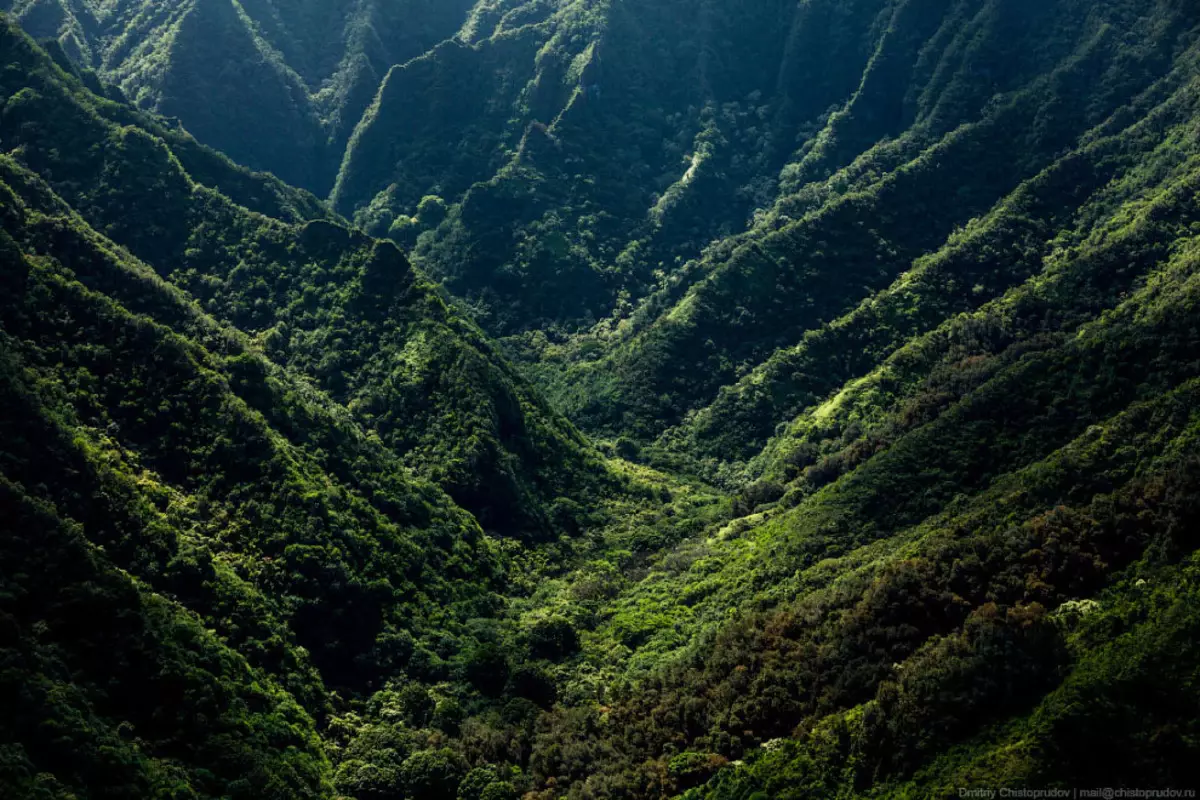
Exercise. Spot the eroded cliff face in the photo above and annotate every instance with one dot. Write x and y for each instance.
(278, 86)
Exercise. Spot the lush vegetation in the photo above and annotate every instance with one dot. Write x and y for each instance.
(706, 400)
(277, 86)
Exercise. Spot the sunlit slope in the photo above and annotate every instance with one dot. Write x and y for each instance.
(343, 310)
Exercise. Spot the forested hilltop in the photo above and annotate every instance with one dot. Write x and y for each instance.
(593, 399)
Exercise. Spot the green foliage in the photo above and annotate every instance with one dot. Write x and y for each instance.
(434, 774)
(166, 709)
(215, 473)
(553, 637)
(915, 284)
(266, 83)
(339, 308)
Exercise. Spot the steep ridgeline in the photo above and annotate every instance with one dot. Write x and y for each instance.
(950, 370)
(558, 162)
(182, 572)
(916, 282)
(960, 392)
(559, 158)
(344, 311)
(945, 180)
(225, 439)
(275, 85)
(710, 192)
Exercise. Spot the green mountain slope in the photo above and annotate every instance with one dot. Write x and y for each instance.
(246, 540)
(278, 86)
(297, 508)
(344, 311)
(596, 148)
(1070, 204)
(833, 243)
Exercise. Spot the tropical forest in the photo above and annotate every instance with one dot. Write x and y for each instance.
(599, 399)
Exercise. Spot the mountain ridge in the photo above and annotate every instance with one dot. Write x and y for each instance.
(638, 419)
